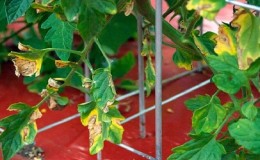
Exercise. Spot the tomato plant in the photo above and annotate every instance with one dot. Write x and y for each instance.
(232, 55)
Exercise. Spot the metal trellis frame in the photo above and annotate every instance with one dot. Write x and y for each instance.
(158, 88)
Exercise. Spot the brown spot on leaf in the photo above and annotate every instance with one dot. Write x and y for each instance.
(95, 129)
(24, 67)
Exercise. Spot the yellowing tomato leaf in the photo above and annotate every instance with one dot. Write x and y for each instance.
(248, 38)
(182, 60)
(206, 8)
(226, 41)
(208, 118)
(27, 63)
(86, 110)
(18, 131)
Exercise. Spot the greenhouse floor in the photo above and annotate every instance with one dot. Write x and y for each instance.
(69, 141)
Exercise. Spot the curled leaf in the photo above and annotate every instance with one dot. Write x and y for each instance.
(28, 63)
(226, 41)
(62, 64)
(53, 84)
(23, 47)
(86, 83)
(35, 115)
(129, 7)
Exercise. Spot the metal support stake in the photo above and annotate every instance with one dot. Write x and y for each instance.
(141, 75)
(158, 84)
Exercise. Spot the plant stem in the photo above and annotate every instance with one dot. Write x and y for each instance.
(103, 53)
(16, 33)
(174, 7)
(192, 24)
(62, 50)
(214, 95)
(223, 123)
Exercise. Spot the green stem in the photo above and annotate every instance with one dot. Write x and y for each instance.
(62, 50)
(174, 7)
(214, 95)
(16, 33)
(195, 19)
(103, 53)
(223, 123)
(87, 62)
(43, 100)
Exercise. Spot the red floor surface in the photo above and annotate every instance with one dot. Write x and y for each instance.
(69, 141)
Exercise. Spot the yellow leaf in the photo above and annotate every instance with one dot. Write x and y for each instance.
(226, 41)
(85, 121)
(248, 37)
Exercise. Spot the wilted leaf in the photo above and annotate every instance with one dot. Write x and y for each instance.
(103, 87)
(199, 149)
(206, 8)
(27, 63)
(226, 41)
(248, 37)
(18, 130)
(246, 133)
(60, 34)
(149, 76)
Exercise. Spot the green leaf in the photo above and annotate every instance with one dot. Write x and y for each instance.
(117, 32)
(254, 69)
(103, 87)
(206, 42)
(249, 110)
(254, 2)
(85, 109)
(226, 41)
(115, 132)
(246, 133)
(206, 8)
(71, 8)
(256, 82)
(90, 23)
(97, 146)
(122, 66)
(198, 149)
(182, 60)
(63, 101)
(248, 37)
(228, 77)
(150, 76)
(3, 18)
(103, 6)
(230, 83)
(60, 34)
(16, 8)
(200, 101)
(208, 118)
(14, 136)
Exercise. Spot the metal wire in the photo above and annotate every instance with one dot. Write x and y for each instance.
(168, 100)
(158, 84)
(133, 150)
(244, 5)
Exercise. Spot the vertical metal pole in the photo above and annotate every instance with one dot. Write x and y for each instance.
(141, 76)
(158, 85)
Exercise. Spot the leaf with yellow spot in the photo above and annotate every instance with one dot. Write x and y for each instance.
(206, 8)
(86, 110)
(27, 63)
(226, 41)
(18, 130)
(182, 60)
(248, 37)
